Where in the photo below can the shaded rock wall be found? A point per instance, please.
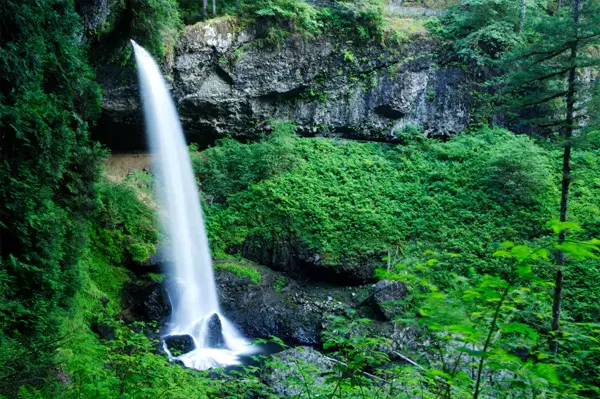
(225, 82)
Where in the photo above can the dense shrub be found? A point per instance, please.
(48, 167)
(124, 227)
(232, 166)
(517, 171)
(342, 200)
(278, 19)
(478, 32)
(153, 24)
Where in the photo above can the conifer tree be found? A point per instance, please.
(547, 78)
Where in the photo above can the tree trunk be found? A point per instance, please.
(214, 8)
(522, 11)
(204, 8)
(566, 181)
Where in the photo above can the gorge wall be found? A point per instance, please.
(226, 81)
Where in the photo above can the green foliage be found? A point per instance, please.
(480, 323)
(280, 19)
(363, 19)
(239, 270)
(478, 32)
(345, 200)
(48, 167)
(154, 24)
(357, 352)
(124, 226)
(535, 87)
(517, 171)
(124, 367)
(230, 166)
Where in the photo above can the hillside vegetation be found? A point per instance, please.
(491, 237)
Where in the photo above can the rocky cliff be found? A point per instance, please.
(226, 81)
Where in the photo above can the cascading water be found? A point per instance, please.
(192, 287)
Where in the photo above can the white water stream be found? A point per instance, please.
(192, 287)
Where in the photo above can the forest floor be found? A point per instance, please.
(119, 166)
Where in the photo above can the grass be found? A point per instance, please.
(240, 270)
(406, 25)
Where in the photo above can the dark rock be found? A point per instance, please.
(278, 306)
(223, 83)
(287, 380)
(92, 13)
(179, 344)
(387, 296)
(103, 329)
(299, 262)
(214, 335)
(105, 301)
(154, 263)
(147, 301)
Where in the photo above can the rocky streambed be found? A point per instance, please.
(296, 311)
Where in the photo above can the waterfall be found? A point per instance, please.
(191, 283)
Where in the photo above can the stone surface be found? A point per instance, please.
(92, 13)
(146, 301)
(286, 379)
(214, 335)
(288, 309)
(299, 262)
(387, 294)
(103, 329)
(224, 83)
(179, 344)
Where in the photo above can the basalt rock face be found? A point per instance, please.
(301, 263)
(180, 343)
(146, 301)
(281, 307)
(388, 296)
(214, 335)
(224, 82)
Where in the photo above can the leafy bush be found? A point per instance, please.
(361, 18)
(231, 167)
(127, 366)
(517, 171)
(47, 172)
(474, 339)
(345, 200)
(478, 32)
(124, 226)
(278, 19)
(153, 24)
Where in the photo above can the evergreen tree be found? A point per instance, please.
(547, 78)
(48, 167)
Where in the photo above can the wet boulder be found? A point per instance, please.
(388, 296)
(147, 301)
(278, 306)
(287, 379)
(214, 333)
(103, 329)
(179, 344)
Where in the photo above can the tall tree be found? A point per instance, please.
(522, 13)
(214, 8)
(204, 8)
(48, 168)
(546, 78)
